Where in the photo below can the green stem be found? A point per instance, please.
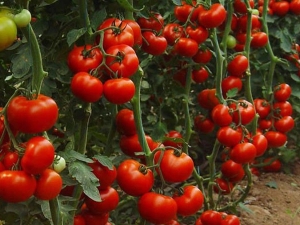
(129, 14)
(112, 132)
(84, 16)
(38, 72)
(82, 141)
(55, 212)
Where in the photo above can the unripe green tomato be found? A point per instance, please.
(59, 164)
(8, 32)
(231, 42)
(23, 18)
(6, 12)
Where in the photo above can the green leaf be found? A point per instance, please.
(160, 129)
(245, 208)
(177, 2)
(21, 62)
(232, 92)
(74, 35)
(74, 156)
(46, 210)
(272, 184)
(84, 175)
(105, 161)
(97, 18)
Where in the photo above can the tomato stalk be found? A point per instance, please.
(85, 17)
(112, 131)
(55, 212)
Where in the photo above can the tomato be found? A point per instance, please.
(200, 75)
(199, 33)
(134, 178)
(109, 201)
(157, 208)
(284, 124)
(125, 122)
(122, 60)
(186, 47)
(137, 33)
(2, 167)
(264, 124)
(259, 39)
(180, 77)
(240, 6)
(172, 222)
(23, 18)
(8, 30)
(275, 138)
(86, 87)
(221, 115)
(228, 136)
(222, 186)
(174, 166)
(229, 83)
(59, 163)
(261, 144)
(231, 169)
(32, 115)
(172, 32)
(275, 165)
(295, 7)
(262, 107)
(153, 44)
(282, 92)
(105, 174)
(243, 153)
(231, 42)
(212, 17)
(211, 217)
(207, 98)
(182, 12)
(238, 66)
(255, 171)
(79, 220)
(174, 135)
(48, 185)
(11, 160)
(190, 201)
(203, 56)
(231, 220)
(38, 156)
(203, 124)
(119, 91)
(131, 146)
(94, 219)
(84, 58)
(154, 22)
(244, 112)
(243, 20)
(281, 109)
(16, 186)
(280, 8)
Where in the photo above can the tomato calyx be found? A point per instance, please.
(87, 53)
(177, 152)
(143, 169)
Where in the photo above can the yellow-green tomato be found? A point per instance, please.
(23, 18)
(59, 164)
(6, 12)
(8, 32)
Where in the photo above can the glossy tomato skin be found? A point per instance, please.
(229, 136)
(154, 22)
(207, 98)
(295, 7)
(244, 112)
(231, 220)
(134, 178)
(79, 220)
(173, 134)
(284, 124)
(213, 17)
(119, 91)
(222, 186)
(199, 34)
(259, 39)
(32, 116)
(243, 153)
(275, 165)
(200, 75)
(211, 217)
(240, 6)
(282, 92)
(137, 33)
(38, 156)
(203, 124)
(186, 47)
(83, 59)
(125, 122)
(16, 186)
(261, 144)
(203, 56)
(262, 107)
(230, 169)
(10, 160)
(275, 138)
(157, 208)
(281, 109)
(221, 115)
(48, 185)
(109, 201)
(175, 167)
(190, 201)
(105, 174)
(153, 44)
(86, 87)
(94, 219)
(229, 83)
(172, 32)
(8, 30)
(238, 66)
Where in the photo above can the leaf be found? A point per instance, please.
(74, 35)
(21, 62)
(97, 18)
(232, 92)
(160, 129)
(46, 210)
(177, 2)
(105, 161)
(245, 208)
(89, 182)
(272, 184)
(73, 155)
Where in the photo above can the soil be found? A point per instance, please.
(274, 199)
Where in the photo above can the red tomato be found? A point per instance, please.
(10, 160)
(261, 144)
(134, 178)
(200, 75)
(122, 60)
(48, 185)
(280, 8)
(207, 98)
(154, 22)
(174, 167)
(109, 201)
(157, 208)
(84, 58)
(262, 107)
(153, 44)
(105, 174)
(79, 220)
(182, 12)
(213, 17)
(2, 168)
(229, 136)
(186, 47)
(282, 92)
(231, 169)
(119, 91)
(137, 33)
(243, 153)
(229, 83)
(202, 124)
(240, 6)
(125, 122)
(222, 186)
(221, 115)
(275, 165)
(259, 39)
(32, 115)
(264, 124)
(190, 202)
(244, 112)
(231, 220)
(243, 20)
(94, 219)
(281, 109)
(295, 7)
(38, 156)
(176, 135)
(172, 32)
(16, 186)
(211, 217)
(238, 66)
(203, 56)
(284, 124)
(275, 139)
(86, 87)
(199, 34)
